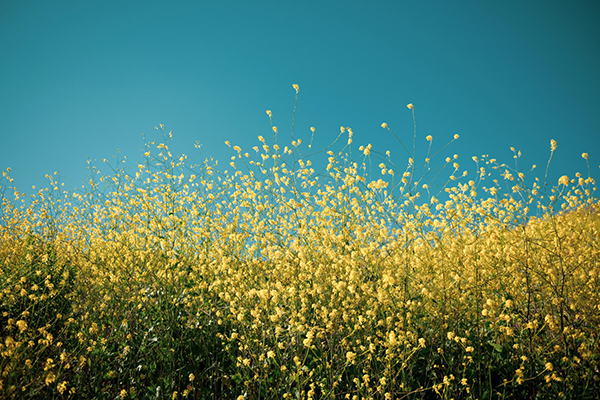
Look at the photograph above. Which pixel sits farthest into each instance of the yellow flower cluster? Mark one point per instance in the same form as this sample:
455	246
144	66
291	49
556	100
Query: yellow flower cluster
276	281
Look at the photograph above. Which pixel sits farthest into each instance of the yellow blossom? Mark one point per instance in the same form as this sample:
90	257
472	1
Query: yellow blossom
22	325
410	106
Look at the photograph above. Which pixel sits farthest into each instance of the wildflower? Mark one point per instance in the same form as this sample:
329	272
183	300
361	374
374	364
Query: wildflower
312	129
350	356
564	180
296	87
584	155
51	377
429	138
456	136
123	393
269	113
384	125
61	387
552	144
22	325
410	106
275	129
270	354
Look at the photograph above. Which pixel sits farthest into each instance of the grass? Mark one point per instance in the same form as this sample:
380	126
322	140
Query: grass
272	280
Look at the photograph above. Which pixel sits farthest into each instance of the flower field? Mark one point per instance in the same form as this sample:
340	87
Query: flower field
274	278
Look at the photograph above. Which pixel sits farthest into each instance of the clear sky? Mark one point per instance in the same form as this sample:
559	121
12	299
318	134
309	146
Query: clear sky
83	78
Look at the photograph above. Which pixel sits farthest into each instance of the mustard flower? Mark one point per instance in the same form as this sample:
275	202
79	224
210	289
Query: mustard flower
585	155
410	106
22	325
269	113
61	387
384	125
564	180
296	87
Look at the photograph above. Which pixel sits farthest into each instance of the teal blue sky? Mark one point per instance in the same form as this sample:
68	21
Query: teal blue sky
87	77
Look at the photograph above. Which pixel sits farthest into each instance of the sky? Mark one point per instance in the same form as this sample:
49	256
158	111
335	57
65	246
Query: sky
84	79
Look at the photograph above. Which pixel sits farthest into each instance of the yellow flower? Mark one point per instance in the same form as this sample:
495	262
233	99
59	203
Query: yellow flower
275	129
410	106
552	144
585	155
123	393
51	377
269	113
564	180
192	377
62	387
350	356
312	128
384	125
295	87
22	325
429	138
456	136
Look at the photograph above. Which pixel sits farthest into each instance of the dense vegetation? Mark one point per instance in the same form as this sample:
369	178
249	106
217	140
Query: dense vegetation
272	280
